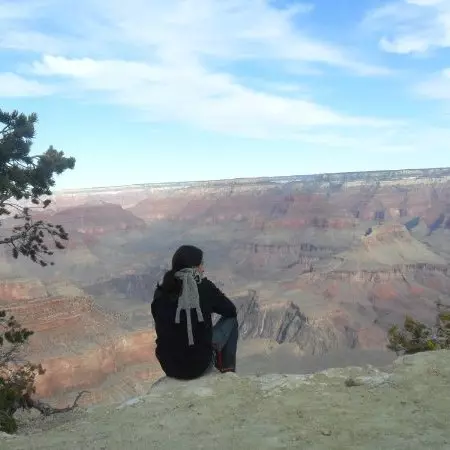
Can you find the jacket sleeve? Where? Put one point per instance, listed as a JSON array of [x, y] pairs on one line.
[[220, 303]]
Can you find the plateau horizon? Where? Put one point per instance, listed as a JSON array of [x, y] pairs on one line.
[[351, 176]]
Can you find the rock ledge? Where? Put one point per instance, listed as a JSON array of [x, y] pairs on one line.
[[351, 408]]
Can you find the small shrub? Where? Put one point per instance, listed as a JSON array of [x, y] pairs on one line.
[[16, 379], [416, 336]]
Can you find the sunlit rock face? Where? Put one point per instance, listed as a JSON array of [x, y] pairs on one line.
[[81, 347], [15, 290]]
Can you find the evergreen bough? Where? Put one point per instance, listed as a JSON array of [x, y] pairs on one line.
[[25, 184]]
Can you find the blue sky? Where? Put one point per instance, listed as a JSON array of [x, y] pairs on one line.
[[150, 90]]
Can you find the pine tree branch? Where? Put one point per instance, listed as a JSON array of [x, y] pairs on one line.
[[46, 410]]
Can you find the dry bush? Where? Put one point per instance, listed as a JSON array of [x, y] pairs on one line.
[[416, 336]]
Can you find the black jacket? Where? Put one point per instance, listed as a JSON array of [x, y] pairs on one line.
[[177, 358]]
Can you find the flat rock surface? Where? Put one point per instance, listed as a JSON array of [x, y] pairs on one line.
[[351, 408]]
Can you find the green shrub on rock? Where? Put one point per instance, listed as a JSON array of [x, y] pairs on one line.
[[416, 336]]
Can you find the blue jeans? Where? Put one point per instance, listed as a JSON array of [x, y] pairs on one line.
[[225, 339]]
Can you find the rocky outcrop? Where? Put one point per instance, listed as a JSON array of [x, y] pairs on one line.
[[92, 368], [334, 201], [255, 257], [387, 247], [97, 219], [285, 323], [403, 407], [139, 286], [15, 290], [297, 249], [83, 346], [260, 258], [397, 272], [324, 201], [44, 314]]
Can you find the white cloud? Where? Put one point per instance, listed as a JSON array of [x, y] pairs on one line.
[[411, 26], [191, 94], [12, 9], [436, 87], [416, 27], [181, 59], [229, 30], [174, 29], [12, 85], [17, 24], [29, 41]]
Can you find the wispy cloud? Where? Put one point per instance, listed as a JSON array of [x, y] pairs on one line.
[[411, 26], [12, 85], [437, 87], [226, 29], [13, 10], [417, 27], [175, 61], [192, 94]]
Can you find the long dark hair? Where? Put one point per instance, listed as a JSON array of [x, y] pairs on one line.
[[186, 256]]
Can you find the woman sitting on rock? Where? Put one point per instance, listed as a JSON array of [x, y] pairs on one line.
[[187, 345]]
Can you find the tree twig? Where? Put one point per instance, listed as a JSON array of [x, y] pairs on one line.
[[47, 410]]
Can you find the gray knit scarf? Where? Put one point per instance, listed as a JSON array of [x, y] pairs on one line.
[[189, 298]]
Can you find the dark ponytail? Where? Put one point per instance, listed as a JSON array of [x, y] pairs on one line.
[[186, 256]]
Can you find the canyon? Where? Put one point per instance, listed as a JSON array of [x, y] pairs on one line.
[[319, 266]]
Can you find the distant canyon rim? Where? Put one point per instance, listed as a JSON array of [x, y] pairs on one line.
[[319, 266]]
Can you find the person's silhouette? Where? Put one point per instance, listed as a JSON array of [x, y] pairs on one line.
[[187, 344]]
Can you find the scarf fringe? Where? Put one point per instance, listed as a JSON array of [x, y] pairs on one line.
[[189, 299]]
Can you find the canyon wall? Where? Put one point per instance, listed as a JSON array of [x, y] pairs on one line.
[[330, 261], [79, 344], [285, 323]]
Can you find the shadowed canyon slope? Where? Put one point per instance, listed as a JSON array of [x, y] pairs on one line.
[[319, 266]]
